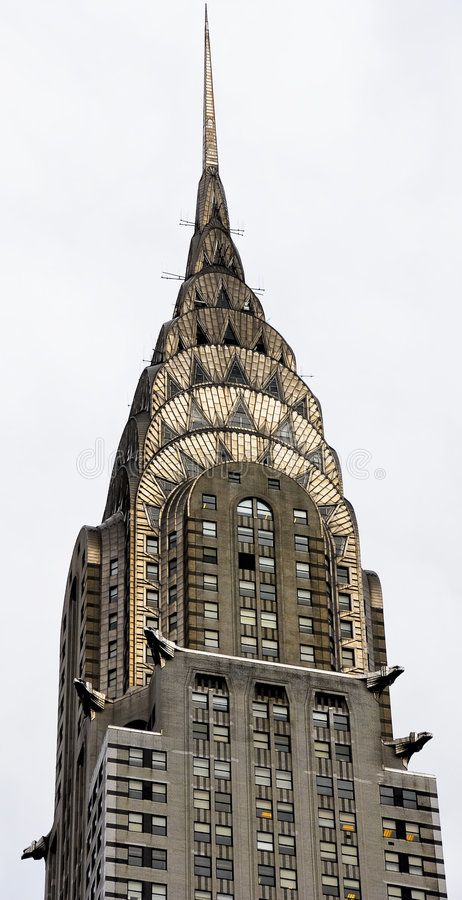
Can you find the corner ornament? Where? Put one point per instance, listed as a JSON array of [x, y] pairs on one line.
[[378, 681], [407, 746], [37, 850], [160, 647], [92, 701]]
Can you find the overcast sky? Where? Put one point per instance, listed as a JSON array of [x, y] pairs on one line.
[[340, 131]]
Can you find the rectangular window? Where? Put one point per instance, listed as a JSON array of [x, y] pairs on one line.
[[158, 892], [152, 545], [389, 828], [265, 538], [210, 610], [346, 628], [201, 766], [201, 799], [222, 802], [248, 644], [173, 621], [112, 621], [267, 592], [248, 617], [245, 535], [152, 598], [263, 776], [283, 780], [172, 594], [222, 769], [209, 529], [234, 477], [261, 740], [113, 594], [285, 812], [152, 571], [112, 678], [352, 889], [114, 567], [391, 861], [304, 597], [158, 859], [135, 756], [224, 868], [349, 855], [305, 625], [343, 575], [211, 639], [266, 564], [172, 540], [200, 731], [247, 588], [171, 567], [306, 653], [134, 890], [320, 719], [112, 649], [159, 824], [274, 484], [221, 734], [322, 749], [135, 856], [202, 832], [301, 543], [347, 821], [246, 561], [302, 570], [264, 808], [244, 508], [224, 835], [152, 622], [159, 759], [220, 702], [135, 822], [341, 722], [287, 844], [343, 752], [135, 789], [280, 712], [348, 658], [268, 620], [329, 886], [202, 866], [300, 517], [288, 879], [326, 818], [266, 875], [259, 709], [282, 743], [345, 789], [209, 555], [209, 501], [265, 841], [200, 698], [269, 648], [328, 850], [324, 785], [344, 602], [159, 792]]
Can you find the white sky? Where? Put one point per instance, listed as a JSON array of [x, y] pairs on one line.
[[340, 132]]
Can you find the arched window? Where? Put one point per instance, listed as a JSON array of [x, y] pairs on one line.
[[250, 506]]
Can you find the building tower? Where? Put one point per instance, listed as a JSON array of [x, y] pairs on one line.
[[224, 727]]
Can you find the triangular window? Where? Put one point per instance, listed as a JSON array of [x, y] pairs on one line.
[[240, 418], [285, 432], [223, 299], [201, 337], [272, 387], [236, 375], [166, 486], [197, 418], [168, 434], [180, 348], [229, 336], [300, 408], [191, 467], [200, 375], [172, 387], [198, 300], [223, 455], [260, 345]]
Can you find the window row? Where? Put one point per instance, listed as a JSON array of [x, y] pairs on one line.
[[154, 759], [266, 842], [145, 790], [221, 768], [284, 811], [223, 833], [345, 787], [287, 877], [147, 824], [281, 742], [405, 831], [223, 867], [135, 891], [340, 722], [402, 862], [283, 777], [323, 751], [223, 802], [218, 733], [396, 892], [330, 887], [349, 854], [147, 856]]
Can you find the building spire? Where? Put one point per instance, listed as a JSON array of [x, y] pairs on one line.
[[210, 148]]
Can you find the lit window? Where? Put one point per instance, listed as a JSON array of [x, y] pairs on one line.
[[326, 818], [247, 588], [305, 625], [306, 654], [201, 766], [263, 776], [222, 769], [349, 855], [264, 808], [202, 832], [114, 567], [343, 575], [389, 828], [201, 799], [209, 501], [245, 535], [322, 749], [224, 835], [259, 709], [261, 740], [265, 538], [300, 517], [348, 658], [328, 850], [248, 644], [304, 597], [152, 545], [211, 610], [209, 529], [288, 879], [265, 841], [221, 734], [347, 821], [302, 569], [210, 582], [344, 602], [411, 831], [266, 564], [159, 824], [352, 889], [152, 571], [268, 620], [346, 628], [135, 822], [244, 508], [152, 598], [268, 647], [248, 617], [283, 780]]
